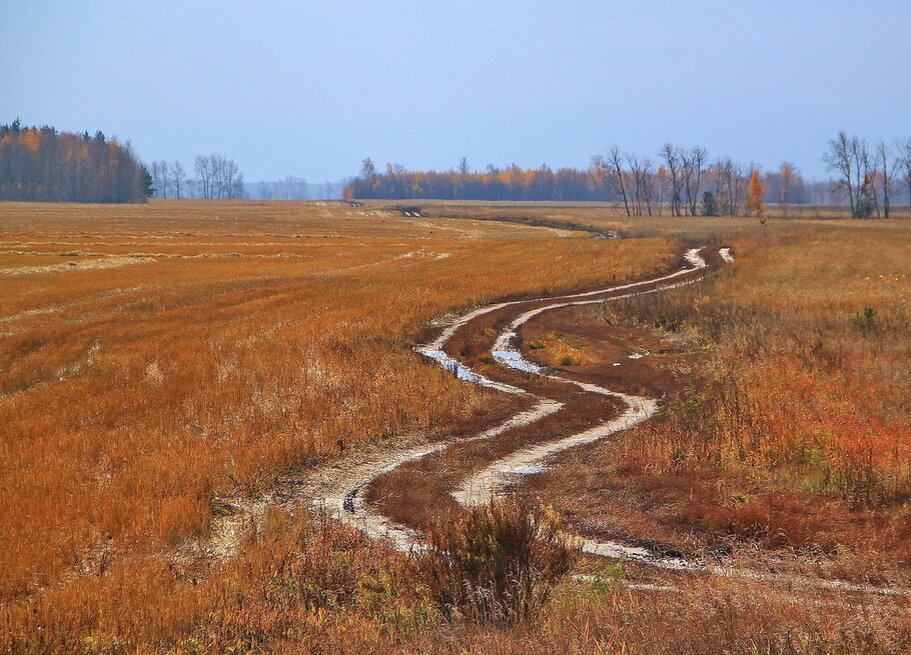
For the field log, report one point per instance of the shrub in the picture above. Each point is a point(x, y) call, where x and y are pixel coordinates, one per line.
point(495, 564)
point(709, 204)
point(864, 321)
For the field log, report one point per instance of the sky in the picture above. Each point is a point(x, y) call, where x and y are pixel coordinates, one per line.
point(310, 88)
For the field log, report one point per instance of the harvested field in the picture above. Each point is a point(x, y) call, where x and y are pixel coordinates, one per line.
point(249, 339)
point(242, 357)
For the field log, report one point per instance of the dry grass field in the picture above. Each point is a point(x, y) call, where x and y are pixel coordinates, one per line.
point(792, 428)
point(157, 359)
point(690, 229)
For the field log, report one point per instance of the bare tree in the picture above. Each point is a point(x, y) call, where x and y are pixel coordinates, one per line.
point(160, 179)
point(887, 168)
point(219, 177)
point(671, 156)
point(641, 173)
point(693, 163)
point(177, 177)
point(850, 158)
point(731, 185)
point(904, 163)
point(296, 187)
point(204, 174)
point(615, 159)
point(662, 186)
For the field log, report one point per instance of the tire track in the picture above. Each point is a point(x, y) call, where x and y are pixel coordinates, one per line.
point(340, 490)
point(346, 499)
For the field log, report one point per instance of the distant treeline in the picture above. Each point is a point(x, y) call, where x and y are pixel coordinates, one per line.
point(38, 163)
point(219, 177)
point(683, 182)
point(216, 177)
point(679, 181)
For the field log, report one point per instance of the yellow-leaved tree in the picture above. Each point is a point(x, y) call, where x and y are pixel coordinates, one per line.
point(755, 191)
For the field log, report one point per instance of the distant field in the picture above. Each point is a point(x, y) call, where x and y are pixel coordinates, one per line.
point(611, 216)
point(156, 360)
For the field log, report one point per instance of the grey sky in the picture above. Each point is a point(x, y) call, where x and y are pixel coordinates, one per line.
point(311, 88)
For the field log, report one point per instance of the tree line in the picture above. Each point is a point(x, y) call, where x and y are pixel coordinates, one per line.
point(41, 164)
point(216, 177)
point(678, 181)
point(869, 177)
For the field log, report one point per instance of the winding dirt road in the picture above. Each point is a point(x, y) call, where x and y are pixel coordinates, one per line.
point(392, 491)
point(561, 413)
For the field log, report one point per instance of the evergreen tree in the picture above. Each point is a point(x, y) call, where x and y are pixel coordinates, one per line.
point(708, 204)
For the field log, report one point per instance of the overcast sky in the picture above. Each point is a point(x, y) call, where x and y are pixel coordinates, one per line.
point(311, 88)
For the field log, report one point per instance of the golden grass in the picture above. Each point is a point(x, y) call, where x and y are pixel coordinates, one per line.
point(252, 337)
point(306, 585)
point(694, 229)
point(240, 339)
point(797, 431)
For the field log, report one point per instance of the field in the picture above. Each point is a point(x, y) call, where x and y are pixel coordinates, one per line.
point(696, 229)
point(175, 375)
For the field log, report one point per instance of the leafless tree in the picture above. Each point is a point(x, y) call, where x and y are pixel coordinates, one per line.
point(671, 156)
point(641, 172)
point(160, 178)
point(731, 185)
point(886, 167)
point(204, 174)
point(294, 188)
point(693, 164)
point(219, 177)
point(904, 163)
point(850, 158)
point(615, 158)
point(177, 177)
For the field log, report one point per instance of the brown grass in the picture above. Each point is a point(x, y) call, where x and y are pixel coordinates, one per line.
point(305, 585)
point(797, 430)
point(261, 336)
point(257, 337)
point(494, 564)
point(690, 229)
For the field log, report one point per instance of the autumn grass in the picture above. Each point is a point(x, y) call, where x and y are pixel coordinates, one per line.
point(794, 430)
point(229, 342)
point(497, 563)
point(254, 337)
point(690, 229)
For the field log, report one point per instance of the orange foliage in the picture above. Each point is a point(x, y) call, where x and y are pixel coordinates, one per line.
point(755, 192)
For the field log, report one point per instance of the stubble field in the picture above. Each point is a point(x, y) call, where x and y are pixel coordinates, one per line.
point(159, 359)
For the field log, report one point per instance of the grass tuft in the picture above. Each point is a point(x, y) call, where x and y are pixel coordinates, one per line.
point(495, 564)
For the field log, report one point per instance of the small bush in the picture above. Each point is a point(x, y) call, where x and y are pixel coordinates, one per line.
point(495, 564)
point(568, 356)
point(865, 320)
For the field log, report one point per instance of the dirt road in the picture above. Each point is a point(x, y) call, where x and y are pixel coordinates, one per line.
point(394, 496)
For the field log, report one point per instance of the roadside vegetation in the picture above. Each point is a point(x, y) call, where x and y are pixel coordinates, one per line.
point(793, 428)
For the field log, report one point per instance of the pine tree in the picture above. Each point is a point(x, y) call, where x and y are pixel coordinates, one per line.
point(708, 204)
